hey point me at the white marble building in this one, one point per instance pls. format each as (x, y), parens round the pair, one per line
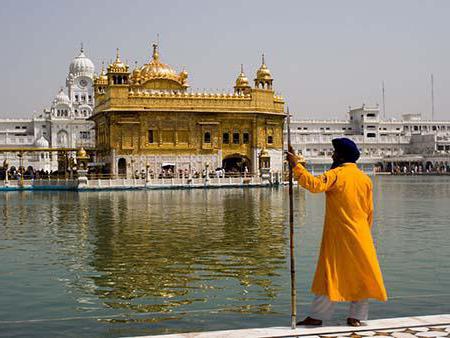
(381, 141)
(64, 125)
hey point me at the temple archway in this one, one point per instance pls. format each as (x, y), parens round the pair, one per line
(122, 167)
(236, 163)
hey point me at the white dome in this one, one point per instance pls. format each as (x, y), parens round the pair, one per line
(42, 142)
(81, 65)
(61, 98)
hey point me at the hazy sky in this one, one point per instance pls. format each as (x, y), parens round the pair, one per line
(324, 55)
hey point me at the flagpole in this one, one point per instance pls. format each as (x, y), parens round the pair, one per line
(291, 232)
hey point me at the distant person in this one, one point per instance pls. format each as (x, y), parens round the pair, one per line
(348, 269)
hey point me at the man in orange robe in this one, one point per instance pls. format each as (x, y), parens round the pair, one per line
(348, 269)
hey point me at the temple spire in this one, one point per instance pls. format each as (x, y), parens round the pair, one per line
(81, 48)
(117, 55)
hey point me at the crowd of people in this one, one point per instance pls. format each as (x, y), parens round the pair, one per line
(418, 169)
(170, 172)
(27, 174)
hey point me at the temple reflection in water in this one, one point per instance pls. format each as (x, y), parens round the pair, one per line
(154, 254)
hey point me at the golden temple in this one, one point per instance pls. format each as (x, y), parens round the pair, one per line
(148, 119)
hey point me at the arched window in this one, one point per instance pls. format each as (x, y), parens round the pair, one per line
(62, 138)
(207, 137)
(246, 138)
(151, 136)
(236, 138)
(226, 138)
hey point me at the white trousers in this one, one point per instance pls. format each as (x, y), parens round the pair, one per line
(322, 308)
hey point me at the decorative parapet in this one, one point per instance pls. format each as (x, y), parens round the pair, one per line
(183, 94)
(177, 100)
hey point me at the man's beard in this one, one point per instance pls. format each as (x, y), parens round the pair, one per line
(336, 163)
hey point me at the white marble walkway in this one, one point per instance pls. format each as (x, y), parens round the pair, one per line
(404, 327)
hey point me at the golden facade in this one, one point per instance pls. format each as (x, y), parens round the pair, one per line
(148, 118)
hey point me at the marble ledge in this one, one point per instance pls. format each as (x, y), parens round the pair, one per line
(391, 327)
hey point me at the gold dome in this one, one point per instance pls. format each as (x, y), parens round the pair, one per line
(242, 80)
(82, 154)
(263, 72)
(103, 73)
(136, 75)
(101, 79)
(118, 66)
(155, 69)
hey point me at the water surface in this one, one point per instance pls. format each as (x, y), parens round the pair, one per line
(110, 264)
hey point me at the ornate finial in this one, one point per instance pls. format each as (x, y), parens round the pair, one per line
(155, 52)
(117, 55)
(263, 62)
(81, 49)
(103, 68)
(242, 68)
(135, 64)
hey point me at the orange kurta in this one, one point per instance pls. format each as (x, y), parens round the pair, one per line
(348, 268)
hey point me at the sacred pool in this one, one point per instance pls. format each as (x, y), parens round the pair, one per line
(127, 263)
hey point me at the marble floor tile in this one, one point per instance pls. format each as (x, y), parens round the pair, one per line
(366, 333)
(440, 329)
(420, 329)
(432, 334)
(403, 335)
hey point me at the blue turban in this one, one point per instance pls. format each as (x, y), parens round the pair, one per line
(346, 149)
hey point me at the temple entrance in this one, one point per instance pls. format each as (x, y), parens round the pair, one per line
(122, 167)
(236, 163)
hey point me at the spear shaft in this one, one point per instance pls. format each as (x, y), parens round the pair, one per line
(291, 232)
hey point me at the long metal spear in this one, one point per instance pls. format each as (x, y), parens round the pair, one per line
(291, 231)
